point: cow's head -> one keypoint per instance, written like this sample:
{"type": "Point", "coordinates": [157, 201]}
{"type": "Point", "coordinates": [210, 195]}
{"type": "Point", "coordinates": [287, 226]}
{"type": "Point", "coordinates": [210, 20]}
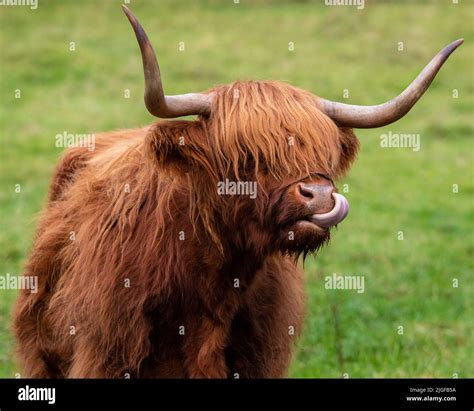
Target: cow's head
{"type": "Point", "coordinates": [261, 160]}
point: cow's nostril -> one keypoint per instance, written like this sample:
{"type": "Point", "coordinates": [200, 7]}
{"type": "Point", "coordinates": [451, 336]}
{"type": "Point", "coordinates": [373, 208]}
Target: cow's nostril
{"type": "Point", "coordinates": [316, 196]}
{"type": "Point", "coordinates": [306, 192]}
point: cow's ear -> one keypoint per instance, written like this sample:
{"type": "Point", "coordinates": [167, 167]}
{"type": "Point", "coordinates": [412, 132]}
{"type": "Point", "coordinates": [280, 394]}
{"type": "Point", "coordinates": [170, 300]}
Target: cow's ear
{"type": "Point", "coordinates": [349, 148]}
{"type": "Point", "coordinates": [173, 144]}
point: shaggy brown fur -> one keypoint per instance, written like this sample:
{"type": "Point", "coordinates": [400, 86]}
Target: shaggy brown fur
{"type": "Point", "coordinates": [144, 269]}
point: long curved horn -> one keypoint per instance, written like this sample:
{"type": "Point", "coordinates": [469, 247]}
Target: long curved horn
{"type": "Point", "coordinates": [377, 116]}
{"type": "Point", "coordinates": [155, 100]}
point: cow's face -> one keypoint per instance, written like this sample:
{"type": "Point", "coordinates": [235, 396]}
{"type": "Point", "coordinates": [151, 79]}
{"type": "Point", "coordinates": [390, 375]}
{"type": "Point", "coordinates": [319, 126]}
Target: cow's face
{"type": "Point", "coordinates": [276, 138]}
{"type": "Point", "coordinates": [260, 178]}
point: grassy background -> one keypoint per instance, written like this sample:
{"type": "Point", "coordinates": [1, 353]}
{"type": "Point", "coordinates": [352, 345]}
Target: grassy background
{"type": "Point", "coordinates": [408, 282]}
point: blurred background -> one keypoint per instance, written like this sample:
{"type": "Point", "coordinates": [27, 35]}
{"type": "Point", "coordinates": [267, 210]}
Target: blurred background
{"type": "Point", "coordinates": [74, 66]}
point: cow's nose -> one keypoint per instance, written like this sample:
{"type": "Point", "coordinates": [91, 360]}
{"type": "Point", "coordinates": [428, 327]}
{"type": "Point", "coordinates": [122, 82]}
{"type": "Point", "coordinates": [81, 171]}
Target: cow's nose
{"type": "Point", "coordinates": [317, 197]}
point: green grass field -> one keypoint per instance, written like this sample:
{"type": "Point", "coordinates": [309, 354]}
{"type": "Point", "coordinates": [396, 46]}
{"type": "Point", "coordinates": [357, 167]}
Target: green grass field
{"type": "Point", "coordinates": [408, 282]}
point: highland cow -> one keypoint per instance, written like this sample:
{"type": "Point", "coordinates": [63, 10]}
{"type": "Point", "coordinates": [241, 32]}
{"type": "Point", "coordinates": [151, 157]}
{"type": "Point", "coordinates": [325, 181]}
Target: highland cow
{"type": "Point", "coordinates": [146, 269]}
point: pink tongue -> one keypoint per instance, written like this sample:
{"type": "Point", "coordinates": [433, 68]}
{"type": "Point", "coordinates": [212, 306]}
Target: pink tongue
{"type": "Point", "coordinates": [335, 216]}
